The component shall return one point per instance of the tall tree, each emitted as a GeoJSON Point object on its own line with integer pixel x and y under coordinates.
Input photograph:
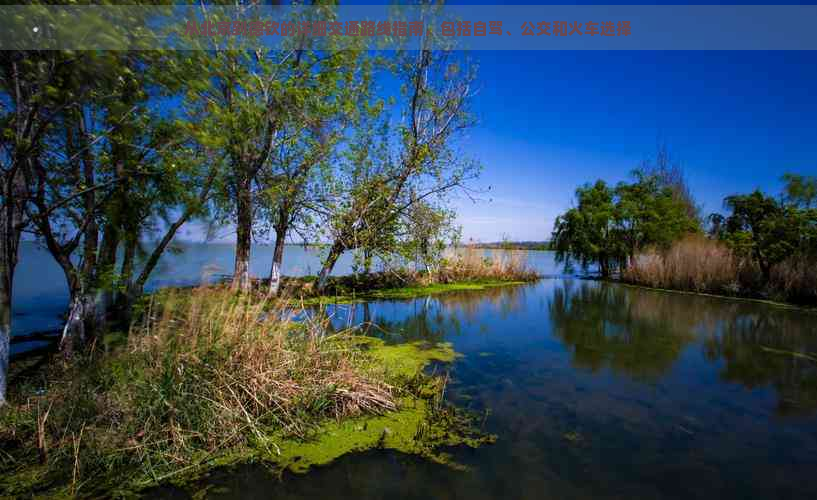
{"type": "Point", "coordinates": [328, 86]}
{"type": "Point", "coordinates": [373, 197]}
{"type": "Point", "coordinates": [610, 225]}
{"type": "Point", "coordinates": [669, 173]}
{"type": "Point", "coordinates": [585, 233]}
{"type": "Point", "coordinates": [29, 82]}
{"type": "Point", "coordinates": [763, 229]}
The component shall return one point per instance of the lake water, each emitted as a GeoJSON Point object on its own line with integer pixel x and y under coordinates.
{"type": "Point", "coordinates": [594, 390]}
{"type": "Point", "coordinates": [40, 293]}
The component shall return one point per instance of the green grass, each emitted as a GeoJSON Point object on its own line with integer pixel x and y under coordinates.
{"type": "Point", "coordinates": [212, 380]}
{"type": "Point", "coordinates": [404, 293]}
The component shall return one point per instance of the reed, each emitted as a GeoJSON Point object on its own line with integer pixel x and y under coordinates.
{"type": "Point", "coordinates": [474, 264]}
{"type": "Point", "coordinates": [700, 264]}
{"type": "Point", "coordinates": [694, 263]}
{"type": "Point", "coordinates": [205, 372]}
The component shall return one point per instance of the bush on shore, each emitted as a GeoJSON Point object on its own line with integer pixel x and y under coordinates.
{"type": "Point", "coordinates": [704, 265]}
{"type": "Point", "coordinates": [206, 373]}
{"type": "Point", "coordinates": [473, 264]}
{"type": "Point", "coordinates": [462, 265]}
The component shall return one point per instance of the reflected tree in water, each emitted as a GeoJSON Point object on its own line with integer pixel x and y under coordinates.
{"type": "Point", "coordinates": [770, 348]}
{"type": "Point", "coordinates": [640, 333]}
{"type": "Point", "coordinates": [608, 327]}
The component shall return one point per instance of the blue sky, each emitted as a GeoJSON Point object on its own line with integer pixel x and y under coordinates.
{"type": "Point", "coordinates": [550, 121]}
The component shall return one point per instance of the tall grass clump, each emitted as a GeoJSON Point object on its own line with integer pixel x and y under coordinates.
{"type": "Point", "coordinates": [694, 263]}
{"type": "Point", "coordinates": [795, 279]}
{"type": "Point", "coordinates": [475, 264]}
{"type": "Point", "coordinates": [205, 372]}
{"type": "Point", "coordinates": [704, 265]}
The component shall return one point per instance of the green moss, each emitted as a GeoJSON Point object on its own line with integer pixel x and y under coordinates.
{"type": "Point", "coordinates": [421, 425]}
{"type": "Point", "coordinates": [407, 359]}
{"type": "Point", "coordinates": [403, 293]}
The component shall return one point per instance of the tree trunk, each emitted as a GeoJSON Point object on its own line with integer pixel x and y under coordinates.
{"type": "Point", "coordinates": [367, 261]}
{"type": "Point", "coordinates": [604, 264]}
{"type": "Point", "coordinates": [329, 264]}
{"type": "Point", "coordinates": [80, 321]}
{"type": "Point", "coordinates": [277, 261]}
{"type": "Point", "coordinates": [241, 273]}
{"type": "Point", "coordinates": [13, 197]}
{"type": "Point", "coordinates": [104, 272]}
{"type": "Point", "coordinates": [124, 300]}
{"type": "Point", "coordinates": [5, 339]}
{"type": "Point", "coordinates": [151, 262]}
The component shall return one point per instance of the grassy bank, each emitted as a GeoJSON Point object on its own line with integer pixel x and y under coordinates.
{"type": "Point", "coordinates": [352, 292]}
{"type": "Point", "coordinates": [701, 265]}
{"type": "Point", "coordinates": [208, 379]}
{"type": "Point", "coordinates": [466, 268]}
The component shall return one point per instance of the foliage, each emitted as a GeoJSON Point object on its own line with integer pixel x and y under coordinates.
{"type": "Point", "coordinates": [767, 230]}
{"type": "Point", "coordinates": [610, 225]}
{"type": "Point", "coordinates": [766, 247]}
{"type": "Point", "coordinates": [209, 378]}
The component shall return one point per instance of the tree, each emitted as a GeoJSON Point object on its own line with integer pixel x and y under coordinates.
{"type": "Point", "coordinates": [373, 196]}
{"type": "Point", "coordinates": [668, 173]}
{"type": "Point", "coordinates": [79, 185]}
{"type": "Point", "coordinates": [760, 227]}
{"type": "Point", "coordinates": [29, 83]}
{"type": "Point", "coordinates": [769, 231]}
{"type": "Point", "coordinates": [328, 89]}
{"type": "Point", "coordinates": [115, 165]}
{"type": "Point", "coordinates": [428, 231]}
{"type": "Point", "coordinates": [801, 190]}
{"type": "Point", "coordinates": [585, 233]}
{"type": "Point", "coordinates": [648, 212]}
{"type": "Point", "coordinates": [611, 225]}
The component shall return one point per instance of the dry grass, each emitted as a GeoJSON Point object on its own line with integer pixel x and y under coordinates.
{"type": "Point", "coordinates": [474, 264]}
{"type": "Point", "coordinates": [250, 364]}
{"type": "Point", "coordinates": [205, 372]}
{"type": "Point", "coordinates": [694, 263]}
{"type": "Point", "coordinates": [700, 264]}
{"type": "Point", "coordinates": [461, 265]}
{"type": "Point", "coordinates": [796, 279]}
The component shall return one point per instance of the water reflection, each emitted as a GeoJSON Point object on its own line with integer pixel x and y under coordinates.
{"type": "Point", "coordinates": [597, 391]}
{"type": "Point", "coordinates": [430, 318]}
{"type": "Point", "coordinates": [773, 349]}
{"type": "Point", "coordinates": [637, 334]}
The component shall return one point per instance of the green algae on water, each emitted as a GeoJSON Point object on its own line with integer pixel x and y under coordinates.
{"type": "Point", "coordinates": [423, 424]}
{"type": "Point", "coordinates": [404, 293]}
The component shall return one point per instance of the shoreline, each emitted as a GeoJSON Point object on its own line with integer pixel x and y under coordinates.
{"type": "Point", "coordinates": [768, 302]}
{"type": "Point", "coordinates": [403, 293]}
{"type": "Point", "coordinates": [417, 421]}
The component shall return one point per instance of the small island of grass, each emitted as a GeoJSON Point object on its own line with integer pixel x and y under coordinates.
{"type": "Point", "coordinates": [207, 378]}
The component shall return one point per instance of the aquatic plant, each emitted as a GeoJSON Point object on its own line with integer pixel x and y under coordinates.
{"type": "Point", "coordinates": [700, 264]}
{"type": "Point", "coordinates": [209, 378]}
{"type": "Point", "coordinates": [464, 268]}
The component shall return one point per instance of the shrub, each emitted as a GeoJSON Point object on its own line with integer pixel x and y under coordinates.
{"type": "Point", "coordinates": [694, 263]}
{"type": "Point", "coordinates": [699, 264]}
{"type": "Point", "coordinates": [205, 372]}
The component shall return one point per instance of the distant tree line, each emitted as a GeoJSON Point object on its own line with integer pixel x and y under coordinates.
{"type": "Point", "coordinates": [106, 155]}
{"type": "Point", "coordinates": [764, 246]}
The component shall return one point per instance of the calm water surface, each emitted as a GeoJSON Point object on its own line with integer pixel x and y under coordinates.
{"type": "Point", "coordinates": [594, 390]}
